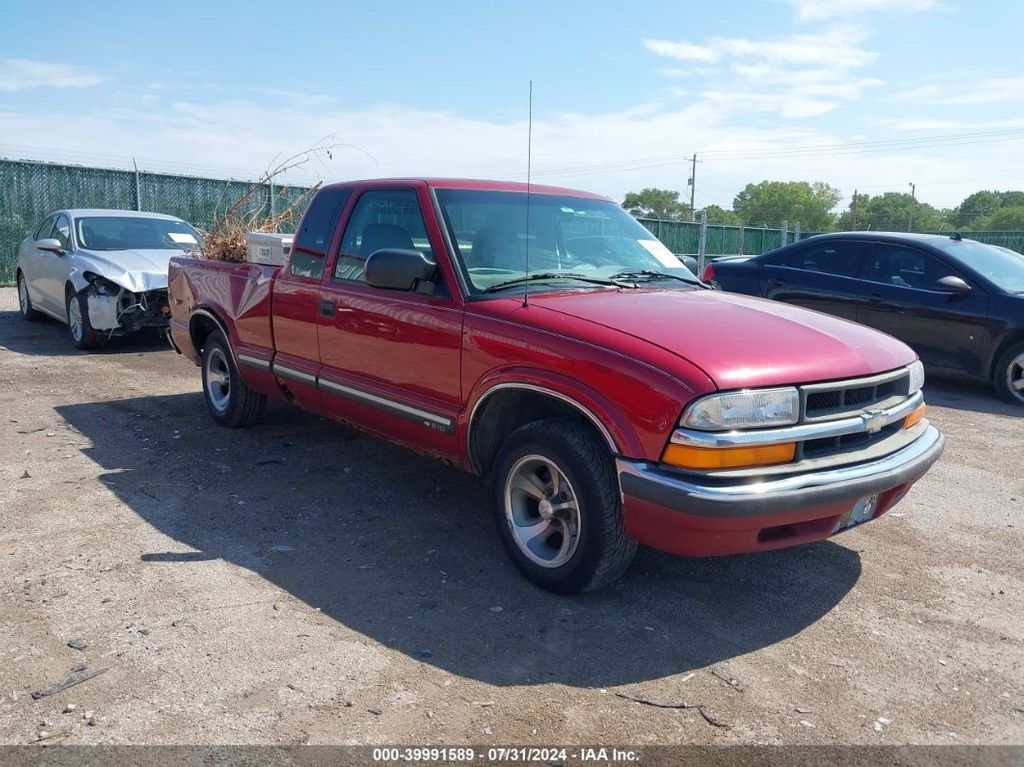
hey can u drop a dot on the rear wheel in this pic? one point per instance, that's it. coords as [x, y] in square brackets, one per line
[558, 509]
[230, 401]
[25, 302]
[1009, 375]
[82, 333]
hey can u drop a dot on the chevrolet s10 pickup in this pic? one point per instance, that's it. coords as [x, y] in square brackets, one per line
[542, 338]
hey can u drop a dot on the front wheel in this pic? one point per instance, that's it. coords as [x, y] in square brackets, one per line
[1009, 375]
[230, 401]
[557, 507]
[82, 333]
[25, 302]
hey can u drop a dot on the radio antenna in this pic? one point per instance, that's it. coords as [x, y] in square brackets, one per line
[529, 168]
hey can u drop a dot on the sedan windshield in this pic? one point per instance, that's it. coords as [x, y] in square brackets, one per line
[570, 242]
[1001, 266]
[134, 233]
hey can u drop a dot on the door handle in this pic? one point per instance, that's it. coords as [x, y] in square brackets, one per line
[326, 308]
[779, 283]
[875, 298]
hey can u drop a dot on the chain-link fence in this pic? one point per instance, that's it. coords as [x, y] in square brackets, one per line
[683, 237]
[30, 191]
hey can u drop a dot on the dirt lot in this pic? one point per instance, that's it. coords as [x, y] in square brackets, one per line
[302, 583]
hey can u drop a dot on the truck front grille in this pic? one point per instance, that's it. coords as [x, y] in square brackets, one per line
[837, 399]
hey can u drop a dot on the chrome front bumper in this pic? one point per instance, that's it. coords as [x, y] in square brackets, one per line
[729, 498]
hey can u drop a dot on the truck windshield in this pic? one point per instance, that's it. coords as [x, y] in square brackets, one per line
[134, 233]
[595, 239]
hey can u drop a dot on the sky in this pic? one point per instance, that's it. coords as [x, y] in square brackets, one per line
[867, 95]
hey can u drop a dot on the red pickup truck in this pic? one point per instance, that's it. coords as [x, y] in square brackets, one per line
[543, 338]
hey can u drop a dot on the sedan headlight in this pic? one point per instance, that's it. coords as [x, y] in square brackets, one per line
[916, 376]
[752, 409]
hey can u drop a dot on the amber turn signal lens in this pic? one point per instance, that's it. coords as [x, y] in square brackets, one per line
[686, 457]
[914, 417]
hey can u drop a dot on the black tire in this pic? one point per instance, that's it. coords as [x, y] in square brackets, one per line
[1010, 369]
[84, 337]
[25, 301]
[602, 551]
[230, 401]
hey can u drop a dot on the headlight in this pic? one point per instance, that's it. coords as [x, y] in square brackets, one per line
[756, 408]
[916, 376]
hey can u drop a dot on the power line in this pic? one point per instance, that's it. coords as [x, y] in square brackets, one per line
[831, 149]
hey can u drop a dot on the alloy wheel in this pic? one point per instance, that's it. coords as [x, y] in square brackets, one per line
[542, 510]
[218, 379]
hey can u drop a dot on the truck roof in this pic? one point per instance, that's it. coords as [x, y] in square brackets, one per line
[473, 183]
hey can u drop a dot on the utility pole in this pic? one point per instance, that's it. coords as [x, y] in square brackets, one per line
[913, 196]
[692, 183]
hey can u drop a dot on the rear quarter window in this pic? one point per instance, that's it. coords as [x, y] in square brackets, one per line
[313, 239]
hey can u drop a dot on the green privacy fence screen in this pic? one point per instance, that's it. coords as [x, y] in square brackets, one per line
[29, 191]
[683, 237]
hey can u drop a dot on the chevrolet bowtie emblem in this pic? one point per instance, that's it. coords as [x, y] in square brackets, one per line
[875, 420]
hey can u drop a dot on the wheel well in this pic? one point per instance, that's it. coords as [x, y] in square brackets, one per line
[200, 328]
[1012, 339]
[505, 411]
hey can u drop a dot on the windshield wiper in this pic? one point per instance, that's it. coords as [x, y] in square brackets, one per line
[545, 276]
[654, 274]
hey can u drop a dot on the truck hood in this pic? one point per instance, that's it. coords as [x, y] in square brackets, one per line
[738, 341]
[136, 270]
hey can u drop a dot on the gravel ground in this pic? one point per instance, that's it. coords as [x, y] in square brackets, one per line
[302, 583]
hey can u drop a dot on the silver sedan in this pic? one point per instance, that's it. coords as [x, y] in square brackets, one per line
[101, 272]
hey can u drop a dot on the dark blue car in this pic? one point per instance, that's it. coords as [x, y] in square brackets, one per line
[959, 303]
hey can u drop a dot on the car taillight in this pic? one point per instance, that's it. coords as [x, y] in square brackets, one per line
[709, 273]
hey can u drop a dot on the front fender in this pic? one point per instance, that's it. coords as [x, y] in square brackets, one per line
[599, 410]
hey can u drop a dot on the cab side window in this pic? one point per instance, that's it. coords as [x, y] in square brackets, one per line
[907, 267]
[309, 248]
[385, 218]
[62, 231]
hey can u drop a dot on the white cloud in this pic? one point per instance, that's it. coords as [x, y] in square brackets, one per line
[249, 133]
[24, 74]
[681, 50]
[989, 91]
[824, 10]
[797, 76]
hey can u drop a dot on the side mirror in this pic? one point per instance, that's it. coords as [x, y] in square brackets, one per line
[51, 245]
[394, 269]
[954, 285]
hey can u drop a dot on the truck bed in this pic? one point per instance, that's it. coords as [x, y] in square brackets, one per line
[237, 293]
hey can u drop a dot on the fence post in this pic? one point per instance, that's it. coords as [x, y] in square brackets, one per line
[743, 232]
[138, 188]
[271, 195]
[702, 241]
[796, 232]
[784, 233]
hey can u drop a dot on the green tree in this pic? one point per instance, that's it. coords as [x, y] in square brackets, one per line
[890, 212]
[979, 206]
[772, 202]
[719, 215]
[1003, 219]
[656, 203]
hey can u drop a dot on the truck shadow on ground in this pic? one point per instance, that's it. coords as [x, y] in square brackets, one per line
[49, 338]
[401, 549]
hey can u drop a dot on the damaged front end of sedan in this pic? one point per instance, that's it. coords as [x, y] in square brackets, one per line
[116, 310]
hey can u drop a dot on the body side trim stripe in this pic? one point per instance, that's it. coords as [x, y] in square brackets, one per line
[398, 408]
[254, 362]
